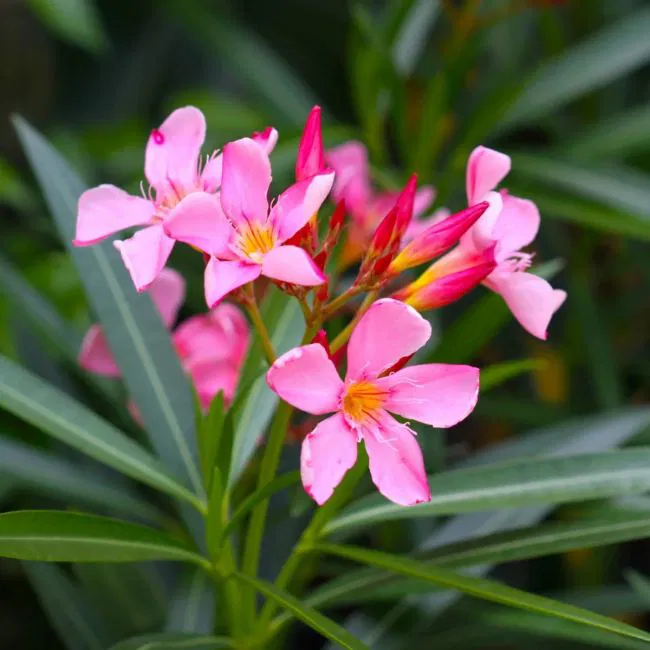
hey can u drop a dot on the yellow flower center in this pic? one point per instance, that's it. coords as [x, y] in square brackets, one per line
[256, 240]
[362, 399]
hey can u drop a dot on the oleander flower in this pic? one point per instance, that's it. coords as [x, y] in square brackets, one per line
[440, 395]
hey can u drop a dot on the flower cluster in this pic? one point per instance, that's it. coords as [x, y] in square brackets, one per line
[219, 206]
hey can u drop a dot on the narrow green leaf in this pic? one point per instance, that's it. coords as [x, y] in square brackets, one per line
[513, 484]
[618, 135]
[192, 604]
[282, 316]
[214, 520]
[34, 401]
[614, 51]
[499, 373]
[52, 536]
[304, 613]
[68, 611]
[54, 476]
[175, 641]
[76, 21]
[130, 597]
[413, 33]
[135, 332]
[210, 432]
[639, 583]
[276, 485]
[260, 68]
[485, 589]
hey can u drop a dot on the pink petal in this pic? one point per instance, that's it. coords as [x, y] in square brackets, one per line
[296, 205]
[223, 277]
[230, 320]
[423, 199]
[172, 153]
[437, 394]
[396, 464]
[311, 157]
[292, 264]
[481, 235]
[388, 331]
[516, 226]
[306, 378]
[211, 174]
[107, 209]
[211, 376]
[486, 168]
[145, 255]
[246, 180]
[531, 299]
[95, 355]
[418, 226]
[168, 292]
[328, 452]
[198, 220]
[267, 139]
[352, 184]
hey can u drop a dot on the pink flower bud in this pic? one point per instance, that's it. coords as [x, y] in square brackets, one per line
[311, 157]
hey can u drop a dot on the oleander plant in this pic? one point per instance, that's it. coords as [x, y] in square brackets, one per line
[253, 395]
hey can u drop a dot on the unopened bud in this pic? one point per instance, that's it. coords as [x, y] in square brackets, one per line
[311, 156]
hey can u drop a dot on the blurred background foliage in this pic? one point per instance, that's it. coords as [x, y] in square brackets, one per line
[562, 86]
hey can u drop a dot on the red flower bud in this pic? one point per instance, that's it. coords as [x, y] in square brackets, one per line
[311, 156]
[321, 339]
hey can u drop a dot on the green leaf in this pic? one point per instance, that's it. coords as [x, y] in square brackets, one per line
[67, 609]
[304, 613]
[76, 21]
[512, 484]
[174, 641]
[618, 135]
[609, 54]
[276, 485]
[13, 190]
[214, 519]
[52, 536]
[620, 188]
[499, 373]
[52, 411]
[413, 33]
[282, 316]
[210, 432]
[54, 476]
[639, 583]
[135, 332]
[259, 67]
[192, 604]
[485, 589]
[130, 597]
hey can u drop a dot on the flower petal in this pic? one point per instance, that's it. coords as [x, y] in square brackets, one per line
[486, 168]
[198, 220]
[172, 153]
[481, 235]
[352, 184]
[296, 205]
[212, 173]
[105, 210]
[168, 292]
[423, 199]
[396, 463]
[223, 277]
[307, 379]
[211, 376]
[292, 264]
[311, 157]
[95, 356]
[516, 225]
[388, 331]
[245, 182]
[267, 139]
[531, 299]
[437, 394]
[145, 255]
[328, 452]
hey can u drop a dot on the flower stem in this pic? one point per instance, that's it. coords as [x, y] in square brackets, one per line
[338, 302]
[345, 334]
[250, 303]
[255, 532]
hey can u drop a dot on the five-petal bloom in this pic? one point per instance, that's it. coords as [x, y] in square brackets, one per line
[437, 394]
[211, 346]
[180, 183]
[490, 252]
[242, 236]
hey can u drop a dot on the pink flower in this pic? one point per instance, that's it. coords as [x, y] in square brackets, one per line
[179, 181]
[367, 207]
[211, 346]
[490, 252]
[436, 394]
[242, 236]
